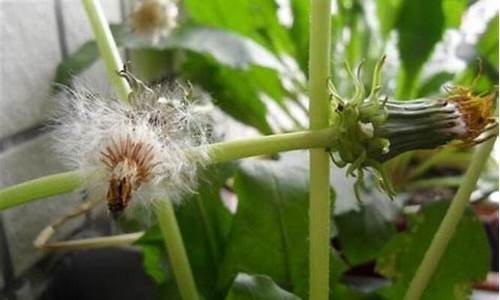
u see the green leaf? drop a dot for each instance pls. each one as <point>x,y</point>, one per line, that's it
<point>299,32</point>
<point>488,44</point>
<point>388,12</point>
<point>453,11</point>
<point>76,63</point>
<point>420,27</point>
<point>204,222</point>
<point>256,19</point>
<point>83,58</point>
<point>466,260</point>
<point>356,229</point>
<point>257,287</point>
<point>270,229</point>
<point>432,85</point>
<point>236,92</point>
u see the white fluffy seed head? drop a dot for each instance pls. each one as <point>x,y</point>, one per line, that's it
<point>152,147</point>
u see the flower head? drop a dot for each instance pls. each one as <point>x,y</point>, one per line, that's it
<point>154,19</point>
<point>143,151</point>
<point>373,129</point>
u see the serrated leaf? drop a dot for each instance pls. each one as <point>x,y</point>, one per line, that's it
<point>257,287</point>
<point>466,259</point>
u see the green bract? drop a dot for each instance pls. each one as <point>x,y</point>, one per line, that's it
<point>357,120</point>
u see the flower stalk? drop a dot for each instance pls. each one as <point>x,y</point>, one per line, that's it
<point>163,209</point>
<point>319,173</point>
<point>449,224</point>
<point>107,47</point>
<point>178,259</point>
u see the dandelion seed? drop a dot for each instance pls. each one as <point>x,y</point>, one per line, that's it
<point>141,152</point>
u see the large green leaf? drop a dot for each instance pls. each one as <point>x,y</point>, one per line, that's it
<point>204,222</point>
<point>420,26</point>
<point>257,287</point>
<point>466,259</point>
<point>236,92</point>
<point>270,229</point>
<point>388,13</point>
<point>256,19</point>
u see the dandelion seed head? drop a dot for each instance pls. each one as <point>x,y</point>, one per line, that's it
<point>154,19</point>
<point>144,151</point>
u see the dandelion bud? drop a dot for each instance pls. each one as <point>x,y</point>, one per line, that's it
<point>153,19</point>
<point>373,129</point>
<point>140,152</point>
<point>429,123</point>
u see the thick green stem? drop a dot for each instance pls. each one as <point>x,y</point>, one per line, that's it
<point>449,224</point>
<point>319,198</point>
<point>179,262</point>
<point>107,47</point>
<point>270,144</point>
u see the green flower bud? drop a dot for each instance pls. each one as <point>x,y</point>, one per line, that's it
<point>373,129</point>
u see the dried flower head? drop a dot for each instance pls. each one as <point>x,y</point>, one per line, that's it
<point>475,112</point>
<point>143,151</point>
<point>154,19</point>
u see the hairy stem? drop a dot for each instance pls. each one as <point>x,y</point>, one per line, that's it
<point>449,224</point>
<point>319,178</point>
<point>179,262</point>
<point>107,47</point>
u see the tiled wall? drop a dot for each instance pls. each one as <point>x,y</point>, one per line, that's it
<point>35,35</point>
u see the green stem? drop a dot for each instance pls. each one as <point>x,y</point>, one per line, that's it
<point>219,152</point>
<point>40,188</point>
<point>271,144</point>
<point>319,197</point>
<point>107,47</point>
<point>449,224</point>
<point>164,211</point>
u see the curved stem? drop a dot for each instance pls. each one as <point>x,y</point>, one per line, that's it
<point>169,228</point>
<point>449,224</point>
<point>319,176</point>
<point>107,47</point>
